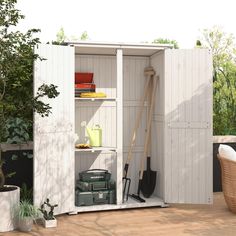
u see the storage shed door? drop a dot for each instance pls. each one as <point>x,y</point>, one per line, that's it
<point>188,126</point>
<point>53,135</point>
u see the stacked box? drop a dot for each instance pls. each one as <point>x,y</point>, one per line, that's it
<point>94,175</point>
<point>95,187</point>
<point>84,88</point>
<point>84,83</point>
<point>94,197</point>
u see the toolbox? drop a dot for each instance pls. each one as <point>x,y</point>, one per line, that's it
<point>85,86</point>
<point>95,186</point>
<point>84,83</point>
<point>94,175</point>
<point>95,197</point>
<point>83,198</point>
<point>80,91</point>
<point>83,77</point>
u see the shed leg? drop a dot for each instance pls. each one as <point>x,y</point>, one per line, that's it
<point>73,213</point>
<point>164,205</point>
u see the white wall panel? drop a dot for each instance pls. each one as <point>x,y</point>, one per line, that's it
<point>134,83</point>
<point>96,160</point>
<point>92,113</point>
<point>53,135</point>
<point>157,155</point>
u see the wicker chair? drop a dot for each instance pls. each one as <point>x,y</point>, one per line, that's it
<point>228,175</point>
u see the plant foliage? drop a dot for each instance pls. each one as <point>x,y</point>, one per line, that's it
<point>224,79</point>
<point>27,210</point>
<point>17,57</point>
<point>48,210</point>
<point>166,41</point>
<point>26,194</point>
<point>16,72</point>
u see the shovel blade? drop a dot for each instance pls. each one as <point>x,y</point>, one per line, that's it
<point>148,183</point>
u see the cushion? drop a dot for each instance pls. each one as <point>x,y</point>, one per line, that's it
<point>227,152</point>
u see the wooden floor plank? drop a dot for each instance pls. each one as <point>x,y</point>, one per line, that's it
<point>178,219</point>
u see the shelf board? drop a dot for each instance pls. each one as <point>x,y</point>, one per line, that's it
<point>97,149</point>
<point>95,99</point>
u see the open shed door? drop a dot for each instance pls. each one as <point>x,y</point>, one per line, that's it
<point>188,126</point>
<point>53,135</point>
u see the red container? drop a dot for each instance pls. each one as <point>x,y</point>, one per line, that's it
<point>82,77</point>
<point>85,86</point>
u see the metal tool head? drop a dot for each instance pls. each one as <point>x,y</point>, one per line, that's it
<point>149,71</point>
<point>126,184</point>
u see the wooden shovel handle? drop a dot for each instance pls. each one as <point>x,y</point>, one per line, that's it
<point>148,114</point>
<point>137,122</point>
<point>148,126</point>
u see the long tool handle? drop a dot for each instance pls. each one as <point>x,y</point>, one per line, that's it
<point>148,127</point>
<point>137,123</point>
<point>148,114</point>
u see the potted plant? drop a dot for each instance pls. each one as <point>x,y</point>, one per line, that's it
<point>47,210</point>
<point>9,202</point>
<point>26,214</point>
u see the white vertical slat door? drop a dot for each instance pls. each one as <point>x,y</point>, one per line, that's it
<point>53,135</point>
<point>188,126</point>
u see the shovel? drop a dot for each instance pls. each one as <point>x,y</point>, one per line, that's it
<point>148,182</point>
<point>126,179</point>
<point>149,176</point>
<point>149,72</point>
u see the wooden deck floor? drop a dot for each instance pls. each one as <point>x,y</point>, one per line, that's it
<point>175,220</point>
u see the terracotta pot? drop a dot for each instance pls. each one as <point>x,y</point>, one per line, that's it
<point>9,202</point>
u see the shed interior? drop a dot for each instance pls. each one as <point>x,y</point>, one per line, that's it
<point>104,62</point>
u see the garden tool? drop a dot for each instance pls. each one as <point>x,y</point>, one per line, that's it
<point>149,72</point>
<point>148,182</point>
<point>149,177</point>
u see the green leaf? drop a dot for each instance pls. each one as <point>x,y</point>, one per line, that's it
<point>30,156</point>
<point>10,174</point>
<point>14,157</point>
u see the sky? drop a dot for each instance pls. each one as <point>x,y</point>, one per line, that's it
<point>130,21</point>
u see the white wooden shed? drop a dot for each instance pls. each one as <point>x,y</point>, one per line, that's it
<point>181,125</point>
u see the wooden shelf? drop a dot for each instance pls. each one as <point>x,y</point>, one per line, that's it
<point>94,99</point>
<point>97,149</point>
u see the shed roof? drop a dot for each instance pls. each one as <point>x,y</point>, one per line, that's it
<point>129,49</point>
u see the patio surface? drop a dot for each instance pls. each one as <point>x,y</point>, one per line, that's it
<point>178,219</point>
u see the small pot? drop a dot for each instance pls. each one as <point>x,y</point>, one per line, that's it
<point>25,224</point>
<point>49,223</point>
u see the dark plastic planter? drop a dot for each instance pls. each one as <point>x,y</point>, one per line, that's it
<point>23,166</point>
